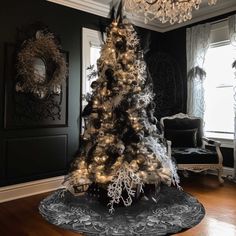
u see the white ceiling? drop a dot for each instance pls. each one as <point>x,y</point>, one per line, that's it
<point>102,8</point>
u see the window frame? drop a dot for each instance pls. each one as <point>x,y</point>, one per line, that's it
<point>226,138</point>
<point>94,38</point>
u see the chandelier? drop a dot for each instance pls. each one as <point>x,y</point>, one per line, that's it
<point>165,10</point>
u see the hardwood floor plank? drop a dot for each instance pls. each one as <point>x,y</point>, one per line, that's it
<point>21,217</point>
<point>220,205</point>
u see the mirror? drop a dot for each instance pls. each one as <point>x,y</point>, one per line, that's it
<point>39,70</point>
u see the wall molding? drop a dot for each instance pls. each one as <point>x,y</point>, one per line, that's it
<point>89,6</point>
<point>102,8</point>
<point>227,171</point>
<point>17,191</point>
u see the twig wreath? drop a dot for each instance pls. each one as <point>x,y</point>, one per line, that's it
<point>45,48</point>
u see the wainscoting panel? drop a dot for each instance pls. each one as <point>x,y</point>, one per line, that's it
<point>35,156</point>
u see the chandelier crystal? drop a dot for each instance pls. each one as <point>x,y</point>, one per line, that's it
<point>165,10</point>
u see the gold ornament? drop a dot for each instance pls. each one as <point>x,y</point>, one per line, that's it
<point>95,104</point>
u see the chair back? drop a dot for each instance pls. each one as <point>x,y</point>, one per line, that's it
<point>183,122</point>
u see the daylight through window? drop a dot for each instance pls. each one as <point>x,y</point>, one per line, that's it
<point>219,82</point>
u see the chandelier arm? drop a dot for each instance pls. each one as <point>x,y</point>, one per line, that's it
<point>173,1</point>
<point>151,3</point>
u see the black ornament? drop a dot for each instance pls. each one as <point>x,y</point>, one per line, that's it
<point>110,84</point>
<point>127,103</point>
<point>149,113</point>
<point>136,138</point>
<point>114,79</point>
<point>151,106</point>
<point>90,153</point>
<point>121,44</point>
<point>130,136</point>
<point>112,151</point>
<point>97,123</point>
<point>109,73</point>
<point>120,125</point>
<point>124,105</point>
<point>153,120</point>
<point>88,109</point>
<point>94,84</point>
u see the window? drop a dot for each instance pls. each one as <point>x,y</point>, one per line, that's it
<point>91,46</point>
<point>91,52</point>
<point>218,85</point>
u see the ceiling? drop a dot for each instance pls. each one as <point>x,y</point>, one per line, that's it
<point>102,8</point>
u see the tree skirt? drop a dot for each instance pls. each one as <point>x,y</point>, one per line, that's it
<point>173,211</point>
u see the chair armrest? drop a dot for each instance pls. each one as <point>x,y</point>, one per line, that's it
<point>216,144</point>
<point>168,148</point>
<point>211,142</point>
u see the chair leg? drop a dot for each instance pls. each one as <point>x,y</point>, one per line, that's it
<point>220,172</point>
<point>185,173</point>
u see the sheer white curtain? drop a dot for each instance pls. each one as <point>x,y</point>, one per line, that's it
<point>232,34</point>
<point>198,40</point>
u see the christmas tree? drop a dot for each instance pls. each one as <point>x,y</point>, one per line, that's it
<point>121,149</point>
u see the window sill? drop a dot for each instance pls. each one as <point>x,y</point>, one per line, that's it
<point>226,140</point>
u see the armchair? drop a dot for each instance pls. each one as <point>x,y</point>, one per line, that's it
<point>187,145</point>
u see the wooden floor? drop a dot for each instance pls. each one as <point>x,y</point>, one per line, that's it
<point>21,217</point>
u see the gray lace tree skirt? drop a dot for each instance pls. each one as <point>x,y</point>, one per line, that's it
<point>174,211</point>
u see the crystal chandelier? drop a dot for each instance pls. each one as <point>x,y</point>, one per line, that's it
<point>165,10</point>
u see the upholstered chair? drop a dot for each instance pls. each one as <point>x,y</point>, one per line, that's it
<point>186,144</point>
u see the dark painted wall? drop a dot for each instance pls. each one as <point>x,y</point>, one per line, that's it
<point>228,155</point>
<point>34,153</point>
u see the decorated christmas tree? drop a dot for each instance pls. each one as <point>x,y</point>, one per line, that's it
<point>121,149</point>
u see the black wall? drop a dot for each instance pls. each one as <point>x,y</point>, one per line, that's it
<point>28,153</point>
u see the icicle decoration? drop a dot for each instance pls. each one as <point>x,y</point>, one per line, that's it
<point>124,180</point>
<point>160,151</point>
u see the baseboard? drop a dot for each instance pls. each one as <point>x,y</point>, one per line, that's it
<point>227,171</point>
<point>16,191</point>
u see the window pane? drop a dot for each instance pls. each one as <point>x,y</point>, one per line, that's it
<point>94,55</point>
<point>219,113</point>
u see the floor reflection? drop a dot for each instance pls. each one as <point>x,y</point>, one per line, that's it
<point>220,228</point>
